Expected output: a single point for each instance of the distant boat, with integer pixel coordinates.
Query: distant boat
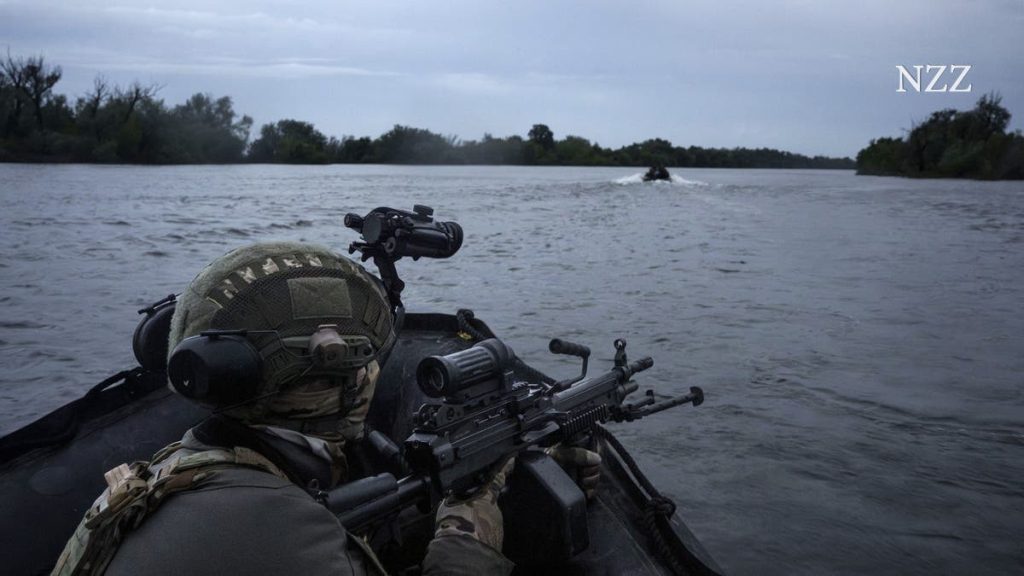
(657, 173)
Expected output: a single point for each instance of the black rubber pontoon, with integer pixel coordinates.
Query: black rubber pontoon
(52, 470)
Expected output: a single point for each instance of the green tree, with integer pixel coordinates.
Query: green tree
(406, 145)
(204, 130)
(133, 120)
(540, 145)
(31, 112)
(575, 151)
(491, 150)
(352, 150)
(542, 136)
(951, 143)
(39, 81)
(289, 141)
(16, 94)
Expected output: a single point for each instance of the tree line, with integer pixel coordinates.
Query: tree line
(110, 123)
(952, 144)
(130, 124)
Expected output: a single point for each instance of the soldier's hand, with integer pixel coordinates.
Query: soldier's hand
(478, 515)
(582, 465)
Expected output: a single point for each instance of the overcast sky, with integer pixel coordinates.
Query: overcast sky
(811, 77)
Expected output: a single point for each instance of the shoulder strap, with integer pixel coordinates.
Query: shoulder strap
(92, 545)
(239, 456)
(134, 491)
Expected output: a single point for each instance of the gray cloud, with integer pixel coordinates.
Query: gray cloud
(813, 77)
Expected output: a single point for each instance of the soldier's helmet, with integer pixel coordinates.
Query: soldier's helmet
(282, 334)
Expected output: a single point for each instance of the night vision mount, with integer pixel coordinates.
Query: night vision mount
(389, 234)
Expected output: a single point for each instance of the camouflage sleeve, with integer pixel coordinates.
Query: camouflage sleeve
(464, 556)
(470, 532)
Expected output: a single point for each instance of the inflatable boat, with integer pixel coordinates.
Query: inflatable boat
(656, 173)
(52, 469)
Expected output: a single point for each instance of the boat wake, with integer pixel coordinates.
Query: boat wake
(638, 178)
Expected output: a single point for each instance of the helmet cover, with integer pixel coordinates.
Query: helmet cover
(283, 292)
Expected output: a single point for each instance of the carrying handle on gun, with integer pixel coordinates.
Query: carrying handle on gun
(559, 346)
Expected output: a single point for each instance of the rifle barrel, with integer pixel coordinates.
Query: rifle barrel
(363, 502)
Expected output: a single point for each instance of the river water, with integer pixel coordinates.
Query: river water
(860, 340)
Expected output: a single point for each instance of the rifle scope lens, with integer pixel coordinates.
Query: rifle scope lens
(440, 376)
(354, 221)
(432, 378)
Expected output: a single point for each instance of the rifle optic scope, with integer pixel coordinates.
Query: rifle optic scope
(440, 376)
(401, 233)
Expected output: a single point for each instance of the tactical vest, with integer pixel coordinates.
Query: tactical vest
(135, 491)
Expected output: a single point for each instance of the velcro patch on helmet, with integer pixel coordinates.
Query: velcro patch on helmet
(319, 297)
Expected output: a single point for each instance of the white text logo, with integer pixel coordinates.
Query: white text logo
(936, 75)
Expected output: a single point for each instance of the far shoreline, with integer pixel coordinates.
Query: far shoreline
(425, 164)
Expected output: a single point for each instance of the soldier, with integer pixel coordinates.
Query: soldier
(235, 495)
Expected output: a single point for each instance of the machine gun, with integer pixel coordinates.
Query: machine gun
(477, 415)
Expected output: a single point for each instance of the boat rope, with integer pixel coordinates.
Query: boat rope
(656, 517)
(657, 510)
(464, 315)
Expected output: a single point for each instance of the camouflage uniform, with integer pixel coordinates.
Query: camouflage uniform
(248, 521)
(233, 496)
(470, 532)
